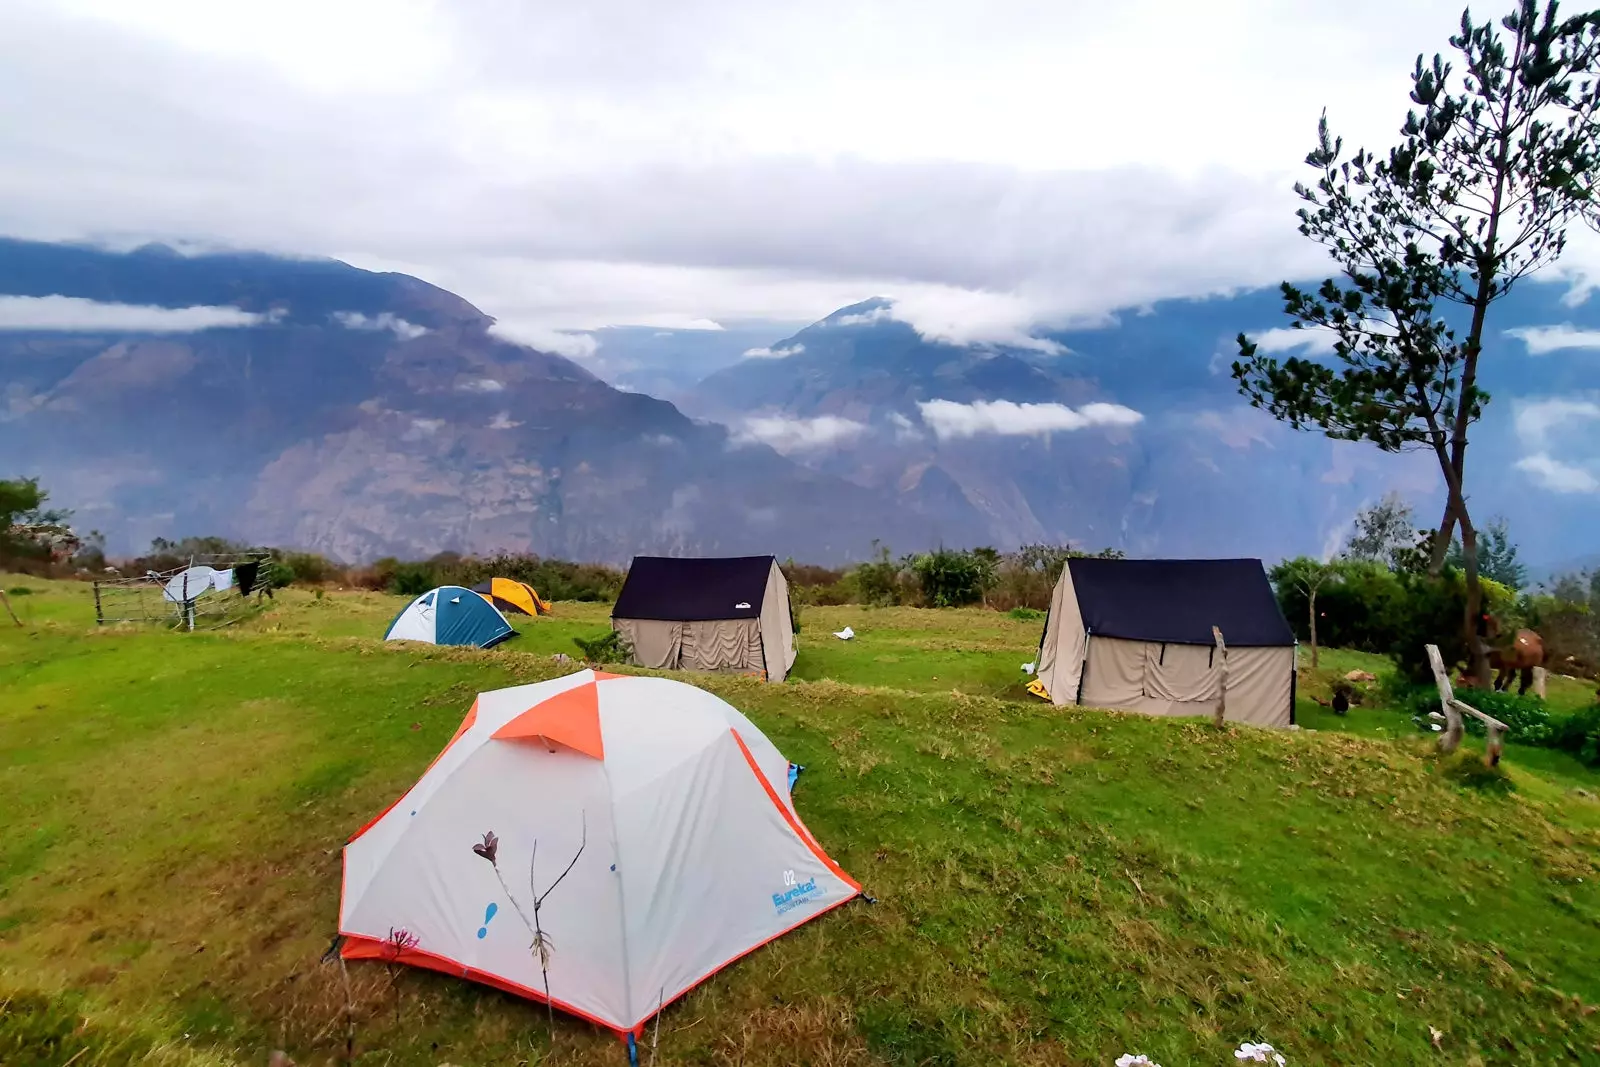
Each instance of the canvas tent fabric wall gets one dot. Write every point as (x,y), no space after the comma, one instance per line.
(450,615)
(510,596)
(692,854)
(705,614)
(1136,634)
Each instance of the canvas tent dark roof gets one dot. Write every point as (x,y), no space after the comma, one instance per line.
(1178,601)
(693,590)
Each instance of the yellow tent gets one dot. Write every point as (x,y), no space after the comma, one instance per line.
(510,595)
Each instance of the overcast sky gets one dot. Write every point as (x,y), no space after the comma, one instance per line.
(997,166)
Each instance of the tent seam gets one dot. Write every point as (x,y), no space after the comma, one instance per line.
(622,895)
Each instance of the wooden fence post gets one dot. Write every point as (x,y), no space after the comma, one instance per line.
(7,602)
(1454,709)
(1451,740)
(1222,687)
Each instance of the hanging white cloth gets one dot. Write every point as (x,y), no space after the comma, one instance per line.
(188,584)
(222,581)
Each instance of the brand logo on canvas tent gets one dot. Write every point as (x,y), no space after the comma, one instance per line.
(795,895)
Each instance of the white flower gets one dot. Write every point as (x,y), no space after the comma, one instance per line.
(1261,1052)
(1129,1059)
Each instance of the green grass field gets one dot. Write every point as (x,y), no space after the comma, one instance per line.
(1054,886)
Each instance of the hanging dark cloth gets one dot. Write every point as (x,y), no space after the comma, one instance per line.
(244,576)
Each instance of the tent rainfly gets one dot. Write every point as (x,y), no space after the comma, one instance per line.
(1136,634)
(643,826)
(707,615)
(512,597)
(450,615)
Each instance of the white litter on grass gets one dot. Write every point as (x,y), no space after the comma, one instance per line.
(845,634)
(1027,668)
(1436,727)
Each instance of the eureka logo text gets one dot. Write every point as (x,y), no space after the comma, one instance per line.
(795,895)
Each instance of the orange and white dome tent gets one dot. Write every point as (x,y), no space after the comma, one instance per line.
(671,807)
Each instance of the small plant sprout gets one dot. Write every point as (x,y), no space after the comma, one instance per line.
(398,942)
(395,945)
(1136,1059)
(542,945)
(1258,1052)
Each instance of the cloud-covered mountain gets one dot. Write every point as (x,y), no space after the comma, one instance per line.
(1132,433)
(308,403)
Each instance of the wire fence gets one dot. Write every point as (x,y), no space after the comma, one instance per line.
(209,592)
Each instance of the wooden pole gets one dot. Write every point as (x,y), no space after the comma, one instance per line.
(7,602)
(1454,710)
(1222,682)
(1451,739)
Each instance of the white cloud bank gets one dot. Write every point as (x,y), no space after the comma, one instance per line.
(951,421)
(1544,423)
(1288,339)
(1542,340)
(661,176)
(1537,419)
(774,353)
(1558,476)
(384,320)
(76,313)
(788,435)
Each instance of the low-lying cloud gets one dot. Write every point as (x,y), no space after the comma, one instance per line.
(1542,340)
(384,320)
(77,313)
(789,435)
(482,385)
(952,421)
(781,352)
(546,339)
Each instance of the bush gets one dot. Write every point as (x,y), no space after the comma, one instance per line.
(609,648)
(1366,606)
(413,579)
(950,578)
(1528,718)
(1027,577)
(1579,734)
(1026,614)
(878,581)
(309,568)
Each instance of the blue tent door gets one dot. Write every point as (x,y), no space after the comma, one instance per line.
(465,618)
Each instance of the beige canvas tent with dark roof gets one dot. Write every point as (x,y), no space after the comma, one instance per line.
(701,614)
(1137,634)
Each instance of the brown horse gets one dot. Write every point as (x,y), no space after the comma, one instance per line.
(1519,656)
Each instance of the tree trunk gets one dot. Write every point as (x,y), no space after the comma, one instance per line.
(1441,540)
(1313,611)
(1477,653)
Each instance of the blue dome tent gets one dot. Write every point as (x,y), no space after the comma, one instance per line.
(450,615)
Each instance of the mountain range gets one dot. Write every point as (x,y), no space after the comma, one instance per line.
(306,402)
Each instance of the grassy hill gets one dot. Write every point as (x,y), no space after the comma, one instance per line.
(1054,886)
